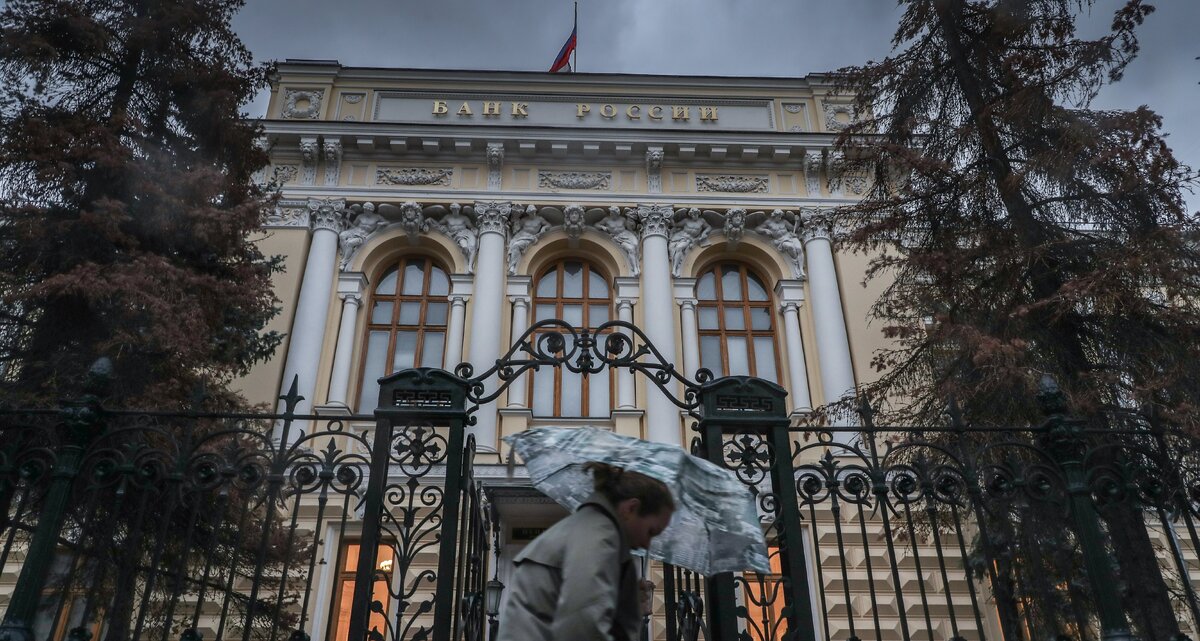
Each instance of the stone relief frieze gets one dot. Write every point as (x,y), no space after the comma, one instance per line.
(283,174)
(413,176)
(597,180)
(288,213)
(733,184)
(302,104)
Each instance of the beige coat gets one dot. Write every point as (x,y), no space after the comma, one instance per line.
(575,582)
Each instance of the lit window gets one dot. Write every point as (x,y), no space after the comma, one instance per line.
(406,323)
(343,600)
(577,293)
(737,323)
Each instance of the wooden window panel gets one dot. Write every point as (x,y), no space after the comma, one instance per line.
(419,326)
(594,310)
(739,306)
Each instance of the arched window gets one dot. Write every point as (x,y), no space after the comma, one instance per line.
(737,323)
(579,294)
(406,325)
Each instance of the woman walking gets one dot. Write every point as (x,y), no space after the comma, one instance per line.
(577,581)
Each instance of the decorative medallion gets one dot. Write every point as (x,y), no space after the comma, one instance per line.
(416,176)
(302,104)
(734,184)
(833,110)
(600,180)
(353,98)
(793,108)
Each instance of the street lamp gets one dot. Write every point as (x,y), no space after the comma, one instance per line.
(492,597)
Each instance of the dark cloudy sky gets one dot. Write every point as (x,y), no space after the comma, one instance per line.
(686,37)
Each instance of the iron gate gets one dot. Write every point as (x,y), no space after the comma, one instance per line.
(190,525)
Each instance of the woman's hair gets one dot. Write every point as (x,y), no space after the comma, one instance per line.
(618,485)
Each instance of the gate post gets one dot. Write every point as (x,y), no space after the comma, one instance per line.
(421,397)
(743,404)
(82,420)
(1063,439)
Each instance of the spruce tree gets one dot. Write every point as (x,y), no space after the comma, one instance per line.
(127,199)
(1022,234)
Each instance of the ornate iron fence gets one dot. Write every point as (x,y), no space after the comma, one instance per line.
(150,525)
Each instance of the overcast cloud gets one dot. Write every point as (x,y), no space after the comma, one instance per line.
(685,37)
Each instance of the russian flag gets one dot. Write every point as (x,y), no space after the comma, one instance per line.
(563,61)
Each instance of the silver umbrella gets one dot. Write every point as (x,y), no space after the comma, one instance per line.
(715,527)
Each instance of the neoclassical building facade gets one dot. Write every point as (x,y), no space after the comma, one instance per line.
(429,218)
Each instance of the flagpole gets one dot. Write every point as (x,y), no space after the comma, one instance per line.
(576,30)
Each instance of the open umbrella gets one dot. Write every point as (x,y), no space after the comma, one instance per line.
(715,527)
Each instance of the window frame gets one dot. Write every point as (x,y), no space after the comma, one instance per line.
(342,576)
(393,327)
(586,303)
(723,334)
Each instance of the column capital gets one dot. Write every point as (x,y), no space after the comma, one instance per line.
(684,288)
(627,288)
(655,220)
(790,306)
(789,290)
(815,224)
(461,286)
(491,217)
(687,304)
(351,298)
(327,214)
(625,304)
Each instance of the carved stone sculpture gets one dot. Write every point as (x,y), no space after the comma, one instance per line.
(366,222)
(812,173)
(526,229)
(735,226)
(413,221)
(327,213)
(495,161)
(780,229)
(308,160)
(333,161)
(688,231)
(573,221)
(457,226)
(733,184)
(620,229)
(654,163)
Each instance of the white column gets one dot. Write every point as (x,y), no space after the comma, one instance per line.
(350,289)
(491,218)
(518,295)
(461,286)
(833,345)
(791,294)
(662,416)
(685,296)
(312,308)
(628,290)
